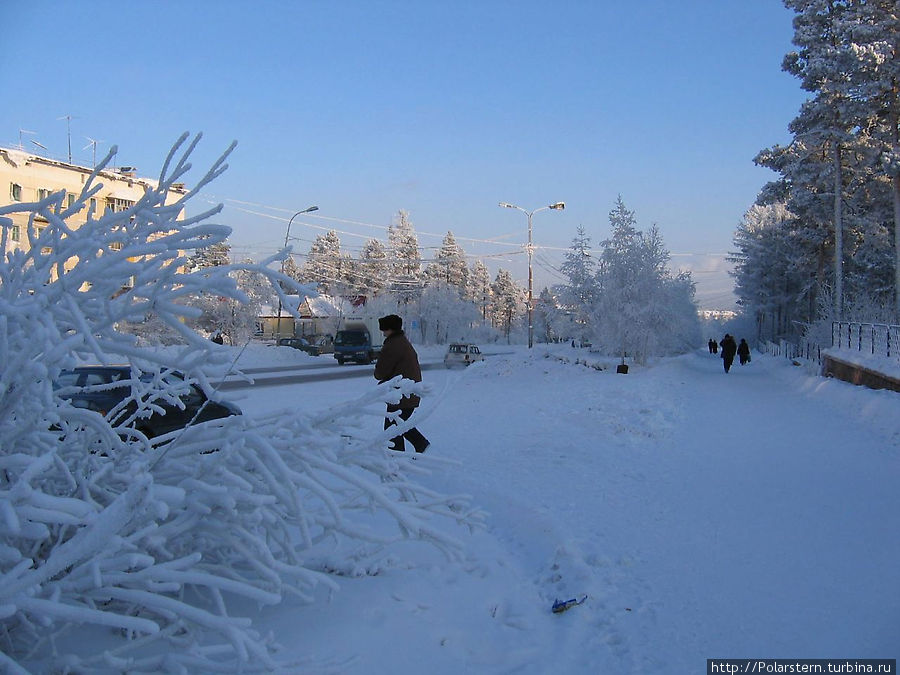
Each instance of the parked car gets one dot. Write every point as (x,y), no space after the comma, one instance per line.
(295,342)
(321,344)
(313,345)
(106,390)
(462,354)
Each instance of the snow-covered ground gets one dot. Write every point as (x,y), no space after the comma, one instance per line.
(703,515)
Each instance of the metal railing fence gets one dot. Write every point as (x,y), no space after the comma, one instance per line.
(875,339)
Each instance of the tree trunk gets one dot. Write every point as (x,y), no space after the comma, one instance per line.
(897,248)
(838,236)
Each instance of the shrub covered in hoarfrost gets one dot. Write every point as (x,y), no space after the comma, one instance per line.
(154,539)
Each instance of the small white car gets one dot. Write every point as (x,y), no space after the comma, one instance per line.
(462,354)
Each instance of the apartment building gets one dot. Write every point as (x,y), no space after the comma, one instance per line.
(25,177)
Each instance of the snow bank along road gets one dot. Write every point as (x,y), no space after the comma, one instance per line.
(704,515)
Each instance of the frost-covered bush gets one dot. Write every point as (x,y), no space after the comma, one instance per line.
(155,540)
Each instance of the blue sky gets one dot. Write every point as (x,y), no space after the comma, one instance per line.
(441,109)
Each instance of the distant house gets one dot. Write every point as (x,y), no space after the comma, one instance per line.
(319,315)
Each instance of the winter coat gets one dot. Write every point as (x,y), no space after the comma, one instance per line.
(743,351)
(398,357)
(729,347)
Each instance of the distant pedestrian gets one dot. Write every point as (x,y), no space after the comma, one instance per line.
(398,357)
(715,347)
(710,344)
(743,352)
(729,347)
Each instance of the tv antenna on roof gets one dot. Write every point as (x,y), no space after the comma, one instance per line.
(40,146)
(24,131)
(92,143)
(68,119)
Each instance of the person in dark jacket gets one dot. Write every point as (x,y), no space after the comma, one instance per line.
(743,352)
(710,345)
(729,347)
(398,357)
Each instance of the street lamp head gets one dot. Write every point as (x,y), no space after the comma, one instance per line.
(506,205)
(559,206)
(311,209)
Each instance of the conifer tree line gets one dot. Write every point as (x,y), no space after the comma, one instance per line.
(623,300)
(449,297)
(822,241)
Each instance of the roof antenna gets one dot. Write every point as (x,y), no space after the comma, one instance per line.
(24,131)
(68,119)
(40,145)
(92,143)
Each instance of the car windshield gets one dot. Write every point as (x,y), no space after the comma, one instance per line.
(458,349)
(353,338)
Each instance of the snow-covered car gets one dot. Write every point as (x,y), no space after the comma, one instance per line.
(462,354)
(108,391)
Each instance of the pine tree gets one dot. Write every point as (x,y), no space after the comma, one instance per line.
(641,310)
(406,260)
(449,265)
(578,296)
(373,268)
(479,289)
(213,255)
(323,262)
(870,33)
(508,302)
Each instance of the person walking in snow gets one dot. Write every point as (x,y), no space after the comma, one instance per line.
(711,344)
(743,352)
(729,347)
(398,357)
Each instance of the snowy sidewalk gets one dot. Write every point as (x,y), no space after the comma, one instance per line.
(704,515)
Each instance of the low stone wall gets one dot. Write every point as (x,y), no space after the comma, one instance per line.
(851,372)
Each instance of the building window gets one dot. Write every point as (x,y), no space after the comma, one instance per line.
(115,245)
(70,199)
(43,193)
(15,192)
(117,205)
(15,233)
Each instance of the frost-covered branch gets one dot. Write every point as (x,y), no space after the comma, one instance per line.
(158,537)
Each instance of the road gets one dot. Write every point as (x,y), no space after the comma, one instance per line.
(313,372)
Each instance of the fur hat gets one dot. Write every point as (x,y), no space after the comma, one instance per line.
(390,322)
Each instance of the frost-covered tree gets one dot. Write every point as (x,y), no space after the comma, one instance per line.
(213,255)
(449,266)
(163,540)
(443,315)
(373,268)
(641,310)
(579,295)
(323,262)
(291,269)
(406,259)
(840,176)
(508,303)
(479,288)
(825,122)
(551,321)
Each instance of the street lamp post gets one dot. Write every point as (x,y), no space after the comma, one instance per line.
(287,236)
(558,206)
